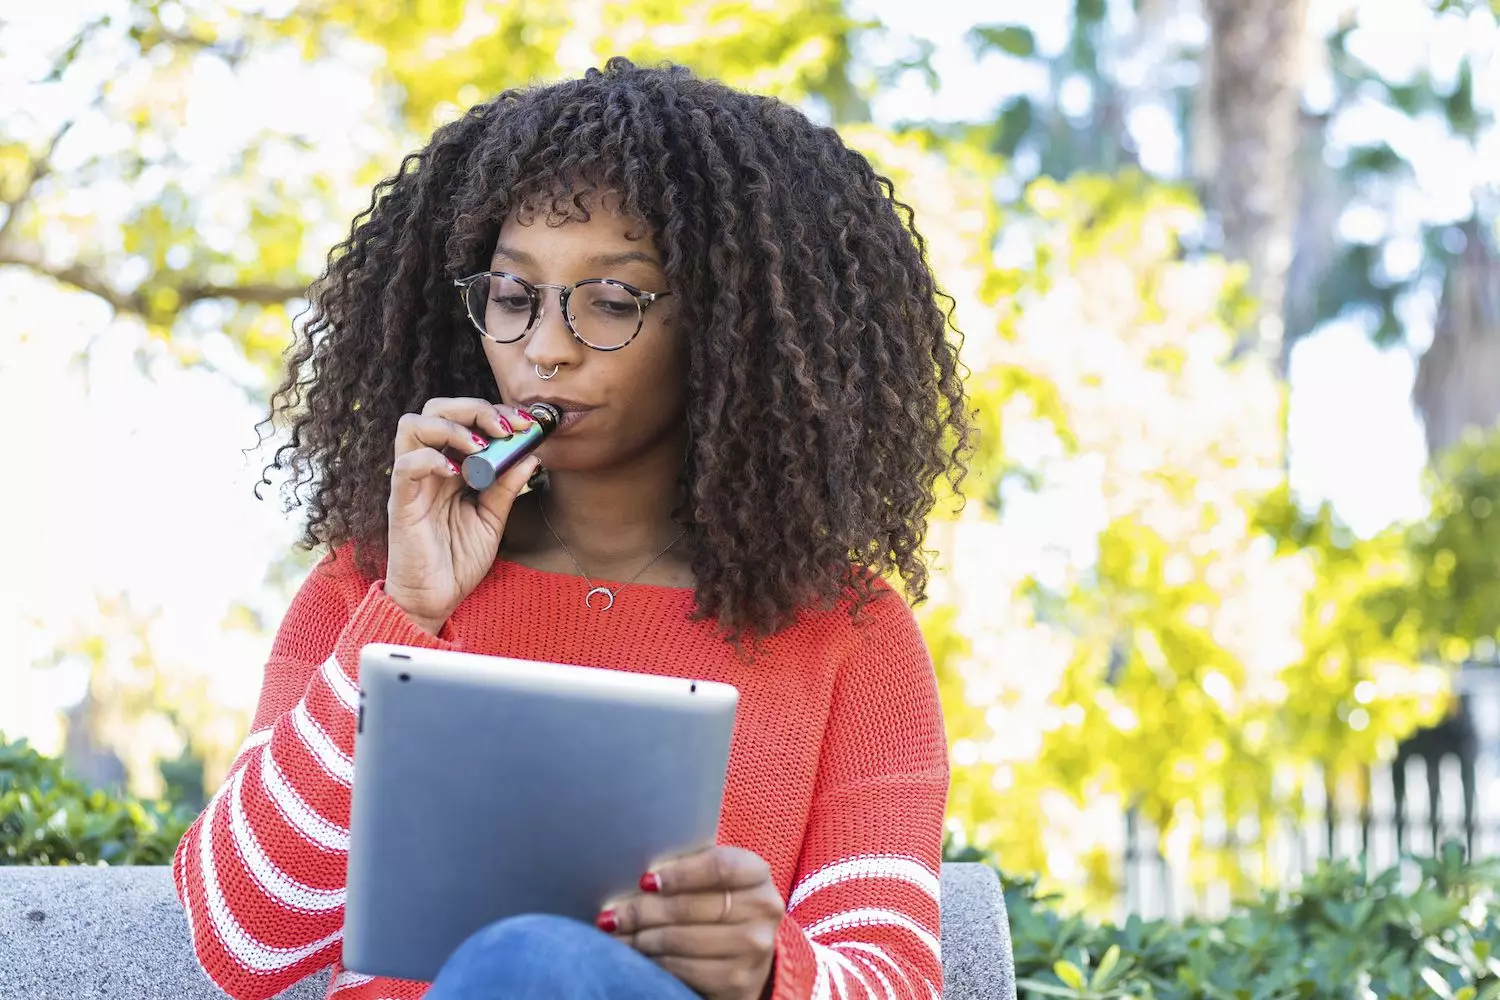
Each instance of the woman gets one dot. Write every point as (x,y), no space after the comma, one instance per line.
(736,315)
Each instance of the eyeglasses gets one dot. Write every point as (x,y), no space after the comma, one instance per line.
(601,313)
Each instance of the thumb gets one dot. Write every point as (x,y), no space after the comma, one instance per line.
(497,498)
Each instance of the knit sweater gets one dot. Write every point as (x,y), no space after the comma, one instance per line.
(837,776)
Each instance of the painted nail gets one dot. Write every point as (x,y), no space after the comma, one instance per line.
(606,922)
(452,466)
(651,882)
(505,425)
(523,415)
(480,441)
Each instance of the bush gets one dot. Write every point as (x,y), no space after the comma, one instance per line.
(50,818)
(1428,929)
(1341,934)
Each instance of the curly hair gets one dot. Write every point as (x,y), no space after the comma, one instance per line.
(825,397)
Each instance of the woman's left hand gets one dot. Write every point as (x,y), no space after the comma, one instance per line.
(710,919)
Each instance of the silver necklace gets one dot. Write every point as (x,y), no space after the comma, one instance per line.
(599,589)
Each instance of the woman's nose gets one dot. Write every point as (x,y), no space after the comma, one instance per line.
(551,342)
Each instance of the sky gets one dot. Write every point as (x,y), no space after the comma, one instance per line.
(103,469)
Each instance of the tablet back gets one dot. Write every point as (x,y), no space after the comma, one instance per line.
(487,787)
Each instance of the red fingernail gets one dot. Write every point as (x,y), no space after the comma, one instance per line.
(605,921)
(453,466)
(506,424)
(480,441)
(523,415)
(650,882)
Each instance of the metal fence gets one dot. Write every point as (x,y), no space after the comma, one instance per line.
(1443,785)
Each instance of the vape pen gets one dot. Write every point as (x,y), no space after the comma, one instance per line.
(483,468)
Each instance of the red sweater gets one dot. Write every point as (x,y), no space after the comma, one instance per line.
(838,775)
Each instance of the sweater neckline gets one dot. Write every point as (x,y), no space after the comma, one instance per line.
(556,579)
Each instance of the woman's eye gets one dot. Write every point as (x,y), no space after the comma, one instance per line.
(614,310)
(513,303)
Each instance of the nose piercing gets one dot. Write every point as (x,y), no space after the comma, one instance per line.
(547,376)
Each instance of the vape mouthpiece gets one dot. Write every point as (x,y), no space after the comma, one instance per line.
(545,412)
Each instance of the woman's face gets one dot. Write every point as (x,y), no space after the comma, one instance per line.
(618,405)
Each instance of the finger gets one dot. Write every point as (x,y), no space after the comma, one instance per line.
(693,941)
(415,469)
(515,416)
(497,498)
(417,430)
(639,912)
(717,868)
(711,976)
(469,411)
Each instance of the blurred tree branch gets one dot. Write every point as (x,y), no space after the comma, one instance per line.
(39,168)
(138,303)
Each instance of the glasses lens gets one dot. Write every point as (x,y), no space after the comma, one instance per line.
(604,315)
(501,306)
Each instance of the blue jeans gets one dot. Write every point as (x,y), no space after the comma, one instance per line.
(537,956)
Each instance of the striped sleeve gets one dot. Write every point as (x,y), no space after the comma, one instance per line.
(261,873)
(862,917)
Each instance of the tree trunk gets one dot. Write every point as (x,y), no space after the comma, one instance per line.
(1247,160)
(1458,379)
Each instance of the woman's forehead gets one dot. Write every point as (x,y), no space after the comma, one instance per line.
(593,225)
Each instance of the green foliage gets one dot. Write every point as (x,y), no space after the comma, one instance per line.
(1217,649)
(1431,931)
(1454,598)
(1150,705)
(1428,589)
(50,818)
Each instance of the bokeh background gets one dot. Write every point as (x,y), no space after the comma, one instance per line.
(1228,574)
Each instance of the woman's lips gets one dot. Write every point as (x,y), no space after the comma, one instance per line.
(570,416)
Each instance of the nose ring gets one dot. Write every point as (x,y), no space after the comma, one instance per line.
(547,376)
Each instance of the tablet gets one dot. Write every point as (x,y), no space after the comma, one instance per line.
(487,787)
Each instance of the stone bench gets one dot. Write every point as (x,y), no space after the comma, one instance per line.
(119,933)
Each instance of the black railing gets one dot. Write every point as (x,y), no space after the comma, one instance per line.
(1424,798)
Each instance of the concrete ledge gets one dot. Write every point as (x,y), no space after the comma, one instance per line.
(119,934)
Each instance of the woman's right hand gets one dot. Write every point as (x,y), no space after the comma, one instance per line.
(442,543)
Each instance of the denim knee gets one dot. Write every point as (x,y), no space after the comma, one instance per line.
(541,957)
(531,933)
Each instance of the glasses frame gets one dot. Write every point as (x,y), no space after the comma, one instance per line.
(643,301)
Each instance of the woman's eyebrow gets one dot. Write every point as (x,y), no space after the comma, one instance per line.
(602,260)
(623,257)
(503,253)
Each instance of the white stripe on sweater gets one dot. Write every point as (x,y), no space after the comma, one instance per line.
(273,881)
(863,866)
(878,952)
(820,981)
(347,980)
(868,963)
(339,681)
(873,917)
(324,750)
(840,964)
(304,818)
(254,740)
(835,976)
(249,952)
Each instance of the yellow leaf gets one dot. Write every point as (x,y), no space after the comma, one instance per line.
(1069,973)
